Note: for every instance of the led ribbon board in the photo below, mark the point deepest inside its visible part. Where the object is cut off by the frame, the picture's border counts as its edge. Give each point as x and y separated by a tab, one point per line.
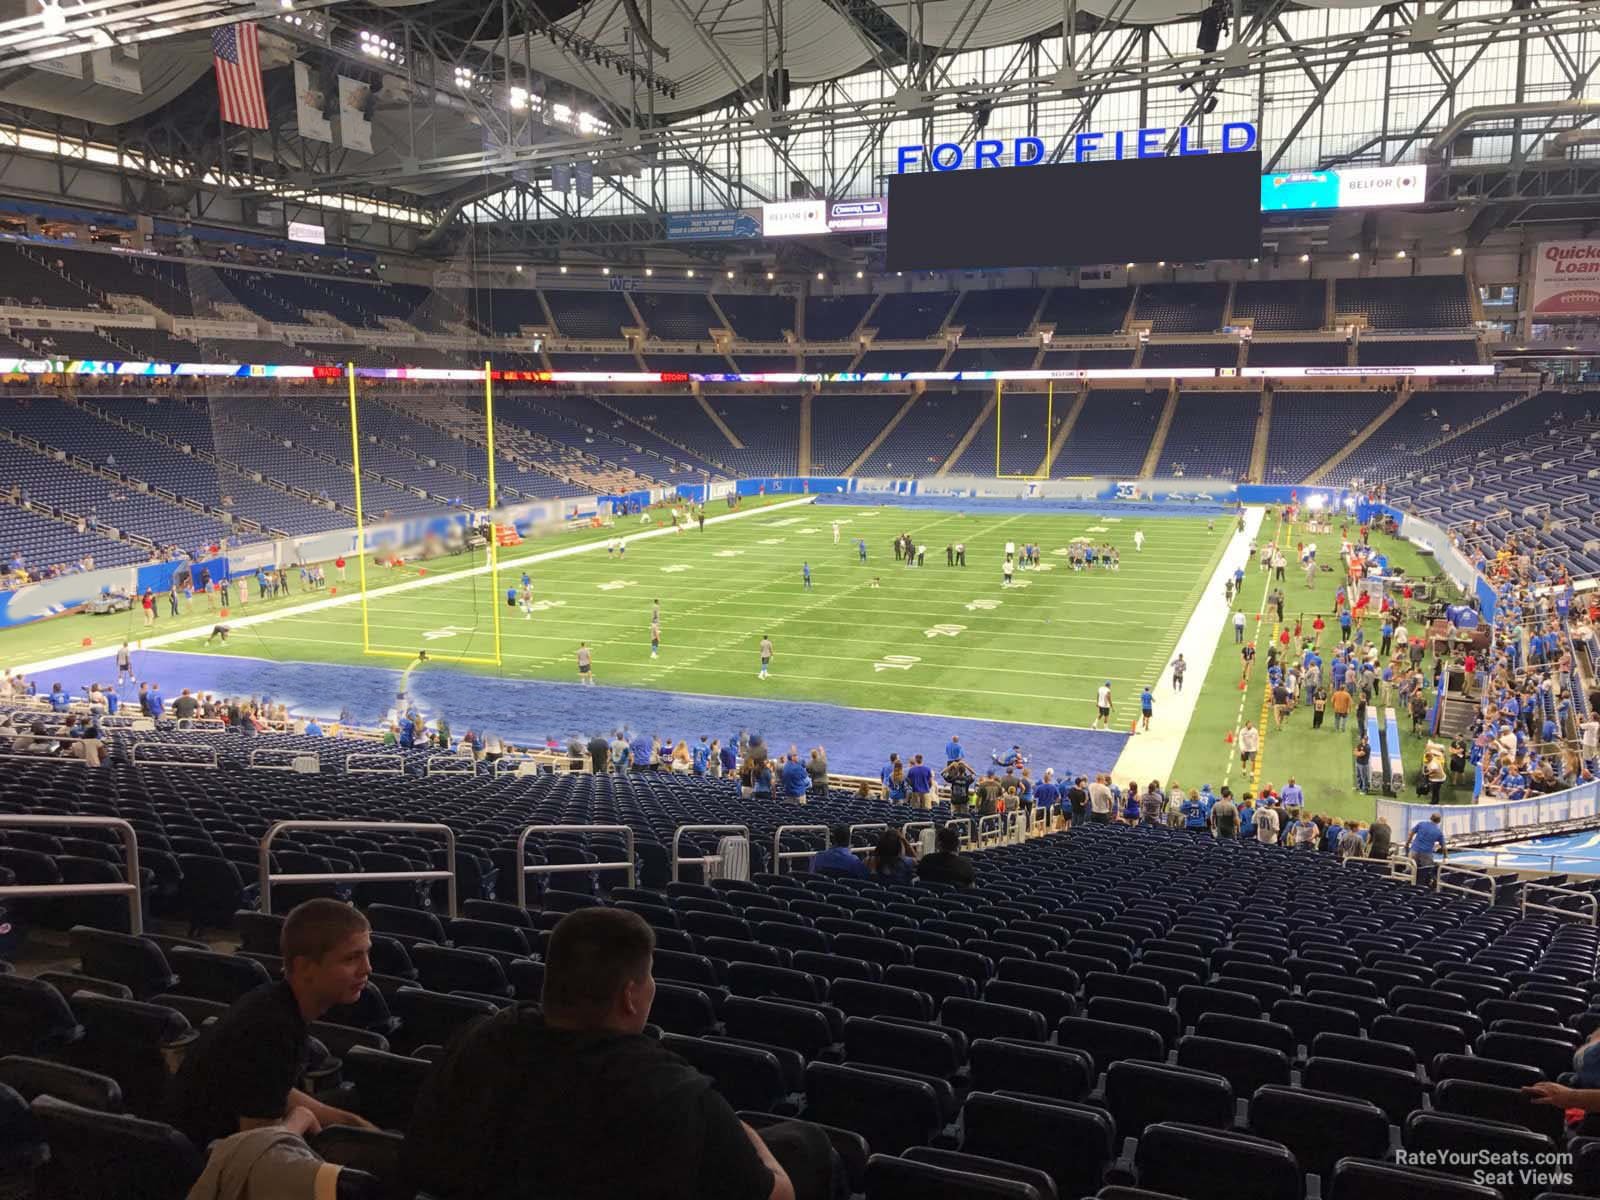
46	366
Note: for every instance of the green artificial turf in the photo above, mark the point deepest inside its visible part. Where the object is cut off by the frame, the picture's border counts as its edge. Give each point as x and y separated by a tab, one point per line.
1320	760
935	639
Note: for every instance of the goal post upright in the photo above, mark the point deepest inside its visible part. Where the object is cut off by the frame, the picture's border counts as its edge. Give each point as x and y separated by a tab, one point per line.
494	525
361	528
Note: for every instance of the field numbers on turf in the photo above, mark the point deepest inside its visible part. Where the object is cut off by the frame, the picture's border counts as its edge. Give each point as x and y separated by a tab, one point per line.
546	605
1061	552
943	631
895	662
449	631
727	553
1045	567
675	568
616	584
1020	583
786	521
982	605
807	529
772	541
1099	529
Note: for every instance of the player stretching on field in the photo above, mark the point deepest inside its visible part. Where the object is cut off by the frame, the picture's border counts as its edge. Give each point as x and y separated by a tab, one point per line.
766	656
585	662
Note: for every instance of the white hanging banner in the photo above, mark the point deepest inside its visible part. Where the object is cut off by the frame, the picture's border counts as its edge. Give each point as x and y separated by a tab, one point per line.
308	107
355	131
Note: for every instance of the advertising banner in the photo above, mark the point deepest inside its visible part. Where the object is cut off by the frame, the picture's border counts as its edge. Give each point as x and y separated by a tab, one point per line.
722	223
849	216
1566	279
794	218
1343	187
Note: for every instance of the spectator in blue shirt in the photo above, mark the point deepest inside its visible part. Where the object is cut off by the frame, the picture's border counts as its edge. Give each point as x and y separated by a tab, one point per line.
1194	812
158	706
313	729
1425	841
795	779
1293	796
59	700
701	755
952	749
919	778
838	856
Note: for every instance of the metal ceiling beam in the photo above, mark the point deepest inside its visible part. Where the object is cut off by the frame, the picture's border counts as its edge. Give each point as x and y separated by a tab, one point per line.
91	25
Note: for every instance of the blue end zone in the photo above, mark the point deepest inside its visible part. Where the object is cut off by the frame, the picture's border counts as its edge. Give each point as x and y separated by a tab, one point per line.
1568	853
530	710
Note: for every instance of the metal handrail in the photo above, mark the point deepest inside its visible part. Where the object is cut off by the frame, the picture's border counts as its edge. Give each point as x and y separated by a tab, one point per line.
1403	868
458	765
255	763
268	878
994	824
854	849
131	888
1472	873
630	865
1588	898
399	767
704	860
174	762
201	725
780	855
965	832
919	826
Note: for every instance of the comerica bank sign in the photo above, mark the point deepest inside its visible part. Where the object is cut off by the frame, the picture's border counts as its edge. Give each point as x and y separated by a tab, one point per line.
1236	137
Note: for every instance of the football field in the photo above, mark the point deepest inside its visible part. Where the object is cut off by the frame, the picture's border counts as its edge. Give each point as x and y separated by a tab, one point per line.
935	639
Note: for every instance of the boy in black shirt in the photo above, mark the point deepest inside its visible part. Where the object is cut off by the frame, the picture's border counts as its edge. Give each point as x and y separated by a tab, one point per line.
242	1074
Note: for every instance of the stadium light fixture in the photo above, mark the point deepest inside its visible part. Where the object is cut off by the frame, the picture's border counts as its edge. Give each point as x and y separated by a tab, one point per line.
649	270
689	273
1129	266
1305	258
1399	253
861	274
563	270
770	275
1455	252
519	268
819	276
1355	256
730	274
605	270
1162	263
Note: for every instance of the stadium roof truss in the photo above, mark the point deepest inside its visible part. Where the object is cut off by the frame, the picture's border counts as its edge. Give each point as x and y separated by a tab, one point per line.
676	105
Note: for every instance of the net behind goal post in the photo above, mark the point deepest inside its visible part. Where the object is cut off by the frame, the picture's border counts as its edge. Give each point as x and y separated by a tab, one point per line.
471	602
1023	427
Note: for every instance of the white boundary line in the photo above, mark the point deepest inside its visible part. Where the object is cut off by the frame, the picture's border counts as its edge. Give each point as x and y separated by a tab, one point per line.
1153	755
353	597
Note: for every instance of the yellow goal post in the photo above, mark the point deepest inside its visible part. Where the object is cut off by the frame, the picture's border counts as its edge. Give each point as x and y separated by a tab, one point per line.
1049	429
363	550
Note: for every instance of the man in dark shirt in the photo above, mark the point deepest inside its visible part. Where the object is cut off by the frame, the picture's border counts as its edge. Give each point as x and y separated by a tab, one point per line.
185	706
1078	802
945	865
242	1072
576	1103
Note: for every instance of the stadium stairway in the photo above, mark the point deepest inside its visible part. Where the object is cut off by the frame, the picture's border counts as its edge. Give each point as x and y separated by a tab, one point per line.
985	414
1152	457
1402	394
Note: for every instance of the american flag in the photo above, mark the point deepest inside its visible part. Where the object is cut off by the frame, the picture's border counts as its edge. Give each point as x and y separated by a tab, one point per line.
238	63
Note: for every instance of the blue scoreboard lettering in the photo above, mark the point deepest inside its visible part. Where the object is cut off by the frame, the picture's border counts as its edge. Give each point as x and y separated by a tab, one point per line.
1237	136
